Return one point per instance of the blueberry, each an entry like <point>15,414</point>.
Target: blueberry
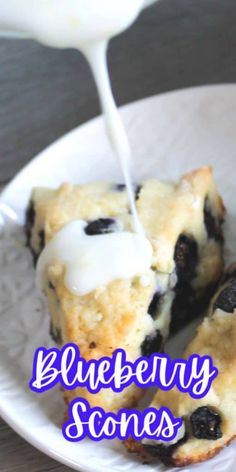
<point>152,309</point>
<point>205,423</point>
<point>55,334</point>
<point>137,191</point>
<point>213,225</point>
<point>152,343</point>
<point>188,304</point>
<point>29,222</point>
<point>226,300</point>
<point>41,239</point>
<point>101,226</point>
<point>164,452</point>
<point>120,187</point>
<point>186,258</point>
<point>183,307</point>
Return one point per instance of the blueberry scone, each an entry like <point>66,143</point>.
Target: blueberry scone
<point>209,423</point>
<point>183,223</point>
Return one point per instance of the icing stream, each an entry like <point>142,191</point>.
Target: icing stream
<point>88,25</point>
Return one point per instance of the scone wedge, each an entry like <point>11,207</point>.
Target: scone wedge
<point>210,422</point>
<point>183,223</point>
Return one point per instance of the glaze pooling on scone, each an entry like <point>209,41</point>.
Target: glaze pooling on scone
<point>127,312</point>
<point>209,422</point>
<point>92,261</point>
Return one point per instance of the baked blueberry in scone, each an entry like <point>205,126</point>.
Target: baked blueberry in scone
<point>209,423</point>
<point>183,223</point>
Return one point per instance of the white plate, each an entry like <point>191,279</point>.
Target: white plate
<point>169,134</point>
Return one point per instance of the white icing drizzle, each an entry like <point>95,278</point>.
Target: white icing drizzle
<point>94,261</point>
<point>88,25</point>
<point>96,56</point>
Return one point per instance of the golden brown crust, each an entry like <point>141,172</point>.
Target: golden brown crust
<point>173,459</point>
<point>194,459</point>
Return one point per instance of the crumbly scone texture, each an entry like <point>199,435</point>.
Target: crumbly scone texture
<point>216,337</point>
<point>100,322</point>
<point>117,316</point>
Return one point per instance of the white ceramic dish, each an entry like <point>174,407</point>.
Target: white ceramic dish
<point>169,134</point>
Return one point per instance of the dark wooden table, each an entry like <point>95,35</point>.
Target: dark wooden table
<point>45,92</point>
